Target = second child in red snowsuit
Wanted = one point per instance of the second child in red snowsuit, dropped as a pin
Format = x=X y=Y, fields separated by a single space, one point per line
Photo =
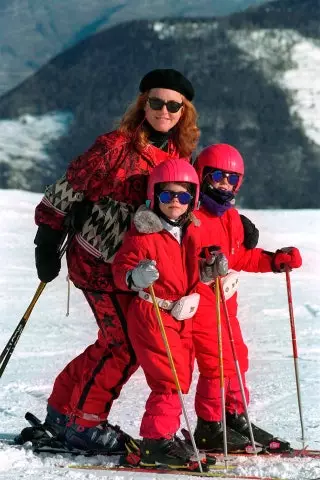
x=220 y=168
x=163 y=248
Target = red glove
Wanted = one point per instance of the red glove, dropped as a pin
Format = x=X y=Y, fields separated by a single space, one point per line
x=287 y=256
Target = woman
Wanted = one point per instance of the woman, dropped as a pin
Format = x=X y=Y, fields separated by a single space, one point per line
x=108 y=182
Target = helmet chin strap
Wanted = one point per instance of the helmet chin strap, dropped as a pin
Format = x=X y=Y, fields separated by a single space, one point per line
x=176 y=223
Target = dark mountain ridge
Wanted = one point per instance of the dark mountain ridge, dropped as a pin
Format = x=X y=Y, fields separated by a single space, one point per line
x=238 y=104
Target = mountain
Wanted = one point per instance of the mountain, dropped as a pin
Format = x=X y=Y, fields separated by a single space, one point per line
x=256 y=79
x=34 y=31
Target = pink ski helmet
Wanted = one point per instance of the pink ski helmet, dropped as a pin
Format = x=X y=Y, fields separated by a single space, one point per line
x=220 y=156
x=173 y=170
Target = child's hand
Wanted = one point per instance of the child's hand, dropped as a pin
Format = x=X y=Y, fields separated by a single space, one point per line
x=286 y=257
x=144 y=274
x=217 y=267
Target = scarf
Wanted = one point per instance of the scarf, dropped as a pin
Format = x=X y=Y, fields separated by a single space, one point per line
x=218 y=201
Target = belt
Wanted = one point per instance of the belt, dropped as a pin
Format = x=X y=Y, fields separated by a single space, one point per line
x=165 y=304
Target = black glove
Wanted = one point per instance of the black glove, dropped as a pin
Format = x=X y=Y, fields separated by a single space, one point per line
x=48 y=262
x=251 y=233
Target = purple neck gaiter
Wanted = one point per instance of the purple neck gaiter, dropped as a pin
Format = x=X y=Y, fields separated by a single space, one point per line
x=218 y=202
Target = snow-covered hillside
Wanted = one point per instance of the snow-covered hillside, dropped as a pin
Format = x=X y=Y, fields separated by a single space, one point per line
x=293 y=62
x=51 y=339
x=23 y=143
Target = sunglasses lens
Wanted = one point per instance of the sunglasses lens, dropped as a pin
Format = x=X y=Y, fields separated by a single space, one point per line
x=233 y=179
x=217 y=175
x=184 y=198
x=165 y=197
x=156 y=103
x=173 y=107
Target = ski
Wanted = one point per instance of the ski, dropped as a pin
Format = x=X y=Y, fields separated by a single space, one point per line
x=213 y=473
x=54 y=446
x=302 y=453
x=49 y=443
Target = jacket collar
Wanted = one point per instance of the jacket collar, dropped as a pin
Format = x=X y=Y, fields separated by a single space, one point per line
x=146 y=221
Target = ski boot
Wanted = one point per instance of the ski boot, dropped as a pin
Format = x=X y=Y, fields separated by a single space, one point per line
x=169 y=452
x=209 y=438
x=53 y=427
x=103 y=438
x=271 y=444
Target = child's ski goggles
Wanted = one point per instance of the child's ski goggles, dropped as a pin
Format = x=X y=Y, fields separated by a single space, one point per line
x=167 y=196
x=218 y=175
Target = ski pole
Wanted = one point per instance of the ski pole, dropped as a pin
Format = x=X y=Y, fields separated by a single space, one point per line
x=210 y=254
x=295 y=350
x=174 y=372
x=13 y=340
x=222 y=388
x=9 y=348
x=236 y=361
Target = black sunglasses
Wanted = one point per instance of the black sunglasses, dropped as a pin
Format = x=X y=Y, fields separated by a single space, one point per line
x=166 y=196
x=158 y=104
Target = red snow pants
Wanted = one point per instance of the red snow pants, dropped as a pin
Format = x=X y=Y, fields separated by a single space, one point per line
x=163 y=410
x=205 y=340
x=88 y=385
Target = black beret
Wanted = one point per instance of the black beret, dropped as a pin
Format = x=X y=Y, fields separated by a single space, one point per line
x=167 y=78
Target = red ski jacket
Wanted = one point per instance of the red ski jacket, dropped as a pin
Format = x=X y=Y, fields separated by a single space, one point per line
x=227 y=233
x=113 y=175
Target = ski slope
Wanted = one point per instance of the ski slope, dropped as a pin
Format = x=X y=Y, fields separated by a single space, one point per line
x=51 y=339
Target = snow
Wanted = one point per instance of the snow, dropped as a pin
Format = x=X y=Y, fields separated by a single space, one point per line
x=30 y=134
x=293 y=61
x=191 y=29
x=51 y=339
x=23 y=141
x=303 y=81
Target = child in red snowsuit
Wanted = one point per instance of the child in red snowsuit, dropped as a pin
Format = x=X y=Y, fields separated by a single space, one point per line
x=220 y=168
x=163 y=248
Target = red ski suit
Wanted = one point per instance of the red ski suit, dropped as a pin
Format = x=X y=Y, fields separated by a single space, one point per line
x=226 y=232
x=178 y=275
x=113 y=175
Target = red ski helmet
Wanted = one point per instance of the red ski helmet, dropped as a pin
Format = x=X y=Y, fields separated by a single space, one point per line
x=173 y=170
x=220 y=156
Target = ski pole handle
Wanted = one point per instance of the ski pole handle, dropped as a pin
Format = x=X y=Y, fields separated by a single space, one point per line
x=210 y=256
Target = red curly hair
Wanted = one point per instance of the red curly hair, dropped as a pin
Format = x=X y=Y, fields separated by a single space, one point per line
x=185 y=134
